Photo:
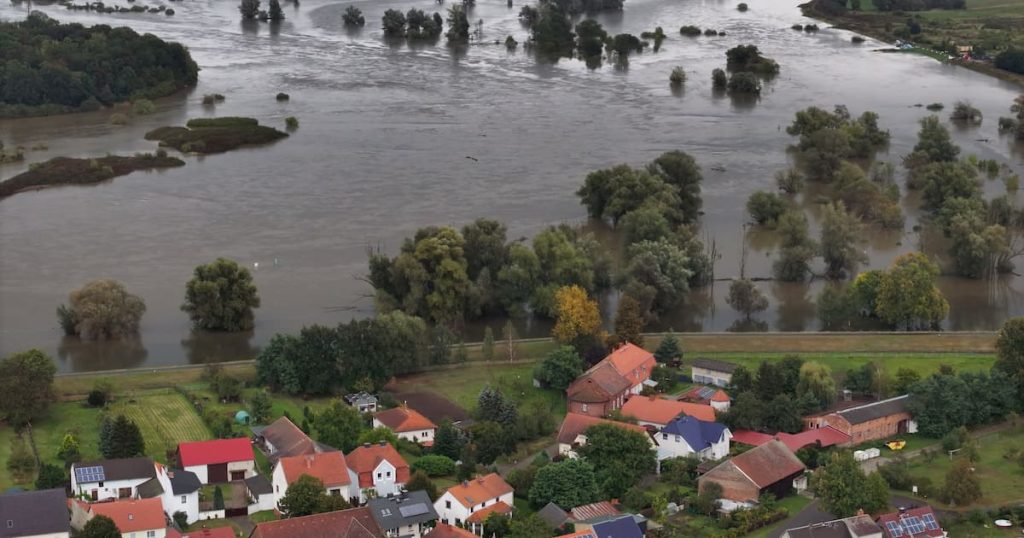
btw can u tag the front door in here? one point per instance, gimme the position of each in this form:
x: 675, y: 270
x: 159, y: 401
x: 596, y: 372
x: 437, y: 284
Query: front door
x: 124, y: 493
x: 216, y: 473
x: 237, y: 475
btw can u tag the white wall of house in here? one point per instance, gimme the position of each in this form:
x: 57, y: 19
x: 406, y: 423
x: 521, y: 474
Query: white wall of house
x: 188, y: 503
x: 155, y: 533
x: 108, y: 490
x: 279, y: 483
x: 248, y: 466
x: 262, y: 503
x: 412, y: 531
x: 200, y: 471
x: 451, y: 511
x: 385, y: 479
x: 51, y: 535
x: 710, y: 377
x: 673, y: 446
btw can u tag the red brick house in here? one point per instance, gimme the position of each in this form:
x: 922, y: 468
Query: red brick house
x: 868, y: 422
x: 769, y: 468
x: 606, y: 385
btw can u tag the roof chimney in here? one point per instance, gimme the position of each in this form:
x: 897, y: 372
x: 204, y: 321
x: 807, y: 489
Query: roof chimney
x: 383, y: 443
x: 366, y: 445
x: 465, y: 483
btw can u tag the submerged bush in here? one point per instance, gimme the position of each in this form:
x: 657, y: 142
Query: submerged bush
x: 677, y: 77
x: 118, y: 118
x: 353, y: 16
x: 283, y: 96
x: 291, y: 122
x: 742, y: 7
x: 719, y: 80
x: 143, y: 107
x: 689, y: 30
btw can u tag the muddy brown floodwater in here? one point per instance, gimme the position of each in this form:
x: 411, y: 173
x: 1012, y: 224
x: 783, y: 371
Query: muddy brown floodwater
x: 385, y: 133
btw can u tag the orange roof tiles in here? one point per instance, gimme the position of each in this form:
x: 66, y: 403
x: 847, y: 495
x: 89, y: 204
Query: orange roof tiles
x: 575, y: 423
x: 478, y: 490
x: 329, y: 467
x: 766, y: 464
x: 633, y: 362
x: 602, y: 382
x: 351, y: 523
x: 720, y: 396
x: 593, y: 510
x: 444, y: 530
x: 403, y: 419
x: 661, y: 411
x: 364, y: 459
x: 133, y: 515
x: 482, y: 514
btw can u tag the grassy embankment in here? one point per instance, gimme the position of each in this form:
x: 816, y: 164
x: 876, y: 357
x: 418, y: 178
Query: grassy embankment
x: 165, y: 416
x: 215, y: 135
x: 69, y: 171
x: 989, y: 24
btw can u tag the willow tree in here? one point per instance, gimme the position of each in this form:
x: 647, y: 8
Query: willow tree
x: 221, y: 297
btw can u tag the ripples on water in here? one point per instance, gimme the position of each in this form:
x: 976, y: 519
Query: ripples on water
x: 385, y: 132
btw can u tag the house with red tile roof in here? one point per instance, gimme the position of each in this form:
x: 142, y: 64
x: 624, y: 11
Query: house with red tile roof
x: 605, y: 386
x: 351, y: 523
x: 133, y: 517
x: 713, y: 396
x: 870, y: 421
x: 821, y: 438
x: 471, y: 501
x: 328, y: 467
x: 217, y: 532
x: 658, y: 412
x: 771, y: 467
x: 219, y: 460
x: 572, y: 433
x: 407, y: 424
x: 444, y: 530
x: 378, y: 467
x: 911, y: 523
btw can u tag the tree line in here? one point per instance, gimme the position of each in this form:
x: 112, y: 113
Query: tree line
x: 47, y: 67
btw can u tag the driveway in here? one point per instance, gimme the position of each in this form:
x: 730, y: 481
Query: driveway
x: 811, y: 514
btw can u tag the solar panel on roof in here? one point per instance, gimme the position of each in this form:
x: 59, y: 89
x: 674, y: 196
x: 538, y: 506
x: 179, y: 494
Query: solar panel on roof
x: 89, y: 474
x: 706, y: 393
x: 894, y: 528
x: 913, y: 524
x: 411, y: 510
x: 929, y: 522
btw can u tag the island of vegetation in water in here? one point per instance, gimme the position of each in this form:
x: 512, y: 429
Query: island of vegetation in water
x: 69, y: 171
x: 215, y: 135
x: 51, y: 68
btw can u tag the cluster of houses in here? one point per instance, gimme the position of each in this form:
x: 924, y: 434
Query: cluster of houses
x: 143, y: 497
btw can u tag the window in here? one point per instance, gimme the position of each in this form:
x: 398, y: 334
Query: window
x: 447, y: 504
x: 584, y: 408
x: 10, y: 523
x: 664, y: 437
x: 277, y: 489
x: 184, y: 499
x: 378, y: 476
x: 389, y: 474
x: 101, y: 484
x: 677, y: 438
x: 150, y: 534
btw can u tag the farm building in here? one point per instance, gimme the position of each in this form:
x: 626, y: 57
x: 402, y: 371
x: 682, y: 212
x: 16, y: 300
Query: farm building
x: 572, y: 433
x: 868, y: 422
x: 769, y: 468
x: 283, y: 438
x: 859, y: 526
x: 712, y: 372
x: 351, y: 523
x: 218, y: 461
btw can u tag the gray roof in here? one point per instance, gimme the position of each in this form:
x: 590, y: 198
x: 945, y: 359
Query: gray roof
x: 851, y: 527
x: 34, y: 512
x: 183, y: 482
x: 876, y: 410
x: 553, y: 515
x: 259, y: 485
x: 408, y: 509
x: 150, y: 488
x: 121, y: 468
x: 717, y: 366
x: 360, y: 398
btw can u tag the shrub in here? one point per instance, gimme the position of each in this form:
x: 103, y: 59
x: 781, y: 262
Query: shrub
x: 212, y: 98
x: 742, y: 7
x: 96, y: 398
x: 857, y: 39
x: 118, y: 118
x: 810, y: 27
x: 963, y: 111
x: 934, y: 107
x: 719, y: 80
x: 353, y: 16
x: 169, y: 13
x: 689, y: 31
x: 291, y: 123
x: 744, y: 82
x: 798, y: 27
x: 143, y: 107
x: 710, y: 32
x: 1007, y: 124
x: 434, y: 465
x: 283, y: 96
x: 511, y: 43
x: 677, y: 77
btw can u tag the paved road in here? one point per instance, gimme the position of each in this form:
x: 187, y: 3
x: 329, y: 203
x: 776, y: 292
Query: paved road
x: 811, y: 514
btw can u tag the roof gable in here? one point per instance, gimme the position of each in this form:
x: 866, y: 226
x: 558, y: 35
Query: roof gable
x: 623, y: 527
x: 444, y: 530
x: 697, y: 433
x: 351, y: 523
x: 473, y: 492
x: 715, y: 365
x: 767, y: 464
x: 404, y: 419
x: 600, y: 383
x: 875, y: 410
x: 366, y: 458
x: 629, y: 358
x: 287, y: 438
x: 133, y: 515
x: 661, y: 411
x: 594, y: 510
x: 87, y: 472
x: 575, y: 424
x: 34, y: 512
x: 329, y: 467
x: 215, y: 451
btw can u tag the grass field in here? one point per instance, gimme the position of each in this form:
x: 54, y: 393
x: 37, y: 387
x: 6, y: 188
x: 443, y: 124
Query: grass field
x: 1002, y: 481
x: 924, y: 364
x: 165, y: 419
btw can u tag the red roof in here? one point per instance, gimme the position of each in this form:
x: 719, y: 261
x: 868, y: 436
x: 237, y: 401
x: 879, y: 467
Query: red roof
x: 633, y: 362
x: 219, y: 532
x: 661, y: 411
x: 351, y: 523
x: 213, y: 452
x: 902, y: 519
x: 574, y: 424
x: 363, y: 460
x: 827, y: 436
x: 444, y: 530
x: 478, y: 490
x: 482, y: 514
x: 767, y: 464
x: 593, y: 510
x: 329, y: 467
x: 601, y: 383
x: 720, y: 396
x: 131, y: 515
x: 403, y: 419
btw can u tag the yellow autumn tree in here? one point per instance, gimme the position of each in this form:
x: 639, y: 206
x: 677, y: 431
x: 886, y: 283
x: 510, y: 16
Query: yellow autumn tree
x: 577, y: 317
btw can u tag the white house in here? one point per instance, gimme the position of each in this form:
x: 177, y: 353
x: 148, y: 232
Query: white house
x: 329, y: 467
x: 135, y: 518
x: 35, y: 514
x: 470, y: 502
x: 685, y: 436
x: 180, y: 492
x: 103, y: 480
x: 407, y: 424
x: 712, y: 372
x: 218, y: 461
x: 403, y: 515
x: 362, y: 401
x: 261, y: 492
x: 378, y: 467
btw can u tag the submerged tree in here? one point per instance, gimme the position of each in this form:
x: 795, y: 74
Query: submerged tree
x: 840, y: 233
x: 353, y: 16
x: 746, y: 298
x: 250, y: 9
x: 458, y: 24
x: 102, y: 309
x: 221, y: 297
x: 275, y: 13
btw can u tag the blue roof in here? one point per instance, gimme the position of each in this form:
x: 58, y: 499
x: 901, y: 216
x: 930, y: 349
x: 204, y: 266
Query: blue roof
x: 697, y: 433
x: 623, y: 527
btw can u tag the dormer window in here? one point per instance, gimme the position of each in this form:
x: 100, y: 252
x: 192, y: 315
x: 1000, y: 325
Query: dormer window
x: 10, y: 523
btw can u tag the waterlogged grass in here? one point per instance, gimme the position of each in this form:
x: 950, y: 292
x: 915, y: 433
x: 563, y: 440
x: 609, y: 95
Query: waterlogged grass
x: 215, y: 135
x: 69, y: 171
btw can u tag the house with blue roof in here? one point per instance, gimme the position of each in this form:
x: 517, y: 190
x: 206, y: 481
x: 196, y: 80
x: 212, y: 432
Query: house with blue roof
x: 685, y: 436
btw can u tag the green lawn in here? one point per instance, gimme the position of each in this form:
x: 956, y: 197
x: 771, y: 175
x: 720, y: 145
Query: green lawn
x: 1002, y: 481
x: 463, y: 385
x: 914, y: 442
x: 64, y: 417
x: 924, y: 363
x: 165, y: 419
x: 6, y: 437
x: 793, y: 503
x: 216, y: 524
x: 966, y: 529
x: 263, y: 517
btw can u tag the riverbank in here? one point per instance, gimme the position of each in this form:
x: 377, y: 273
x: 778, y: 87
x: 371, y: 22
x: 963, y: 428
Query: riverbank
x: 960, y: 27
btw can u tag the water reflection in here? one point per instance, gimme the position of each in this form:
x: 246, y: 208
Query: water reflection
x: 748, y: 325
x: 202, y: 347
x: 795, y: 309
x: 91, y: 355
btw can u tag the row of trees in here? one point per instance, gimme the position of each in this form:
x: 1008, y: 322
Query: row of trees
x: 417, y: 25
x: 48, y: 67
x: 778, y: 394
x: 219, y: 297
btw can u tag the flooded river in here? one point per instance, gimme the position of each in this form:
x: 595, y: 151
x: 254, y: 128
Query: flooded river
x: 386, y: 132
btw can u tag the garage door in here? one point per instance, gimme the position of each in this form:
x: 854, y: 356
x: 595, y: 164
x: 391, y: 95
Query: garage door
x: 216, y: 473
